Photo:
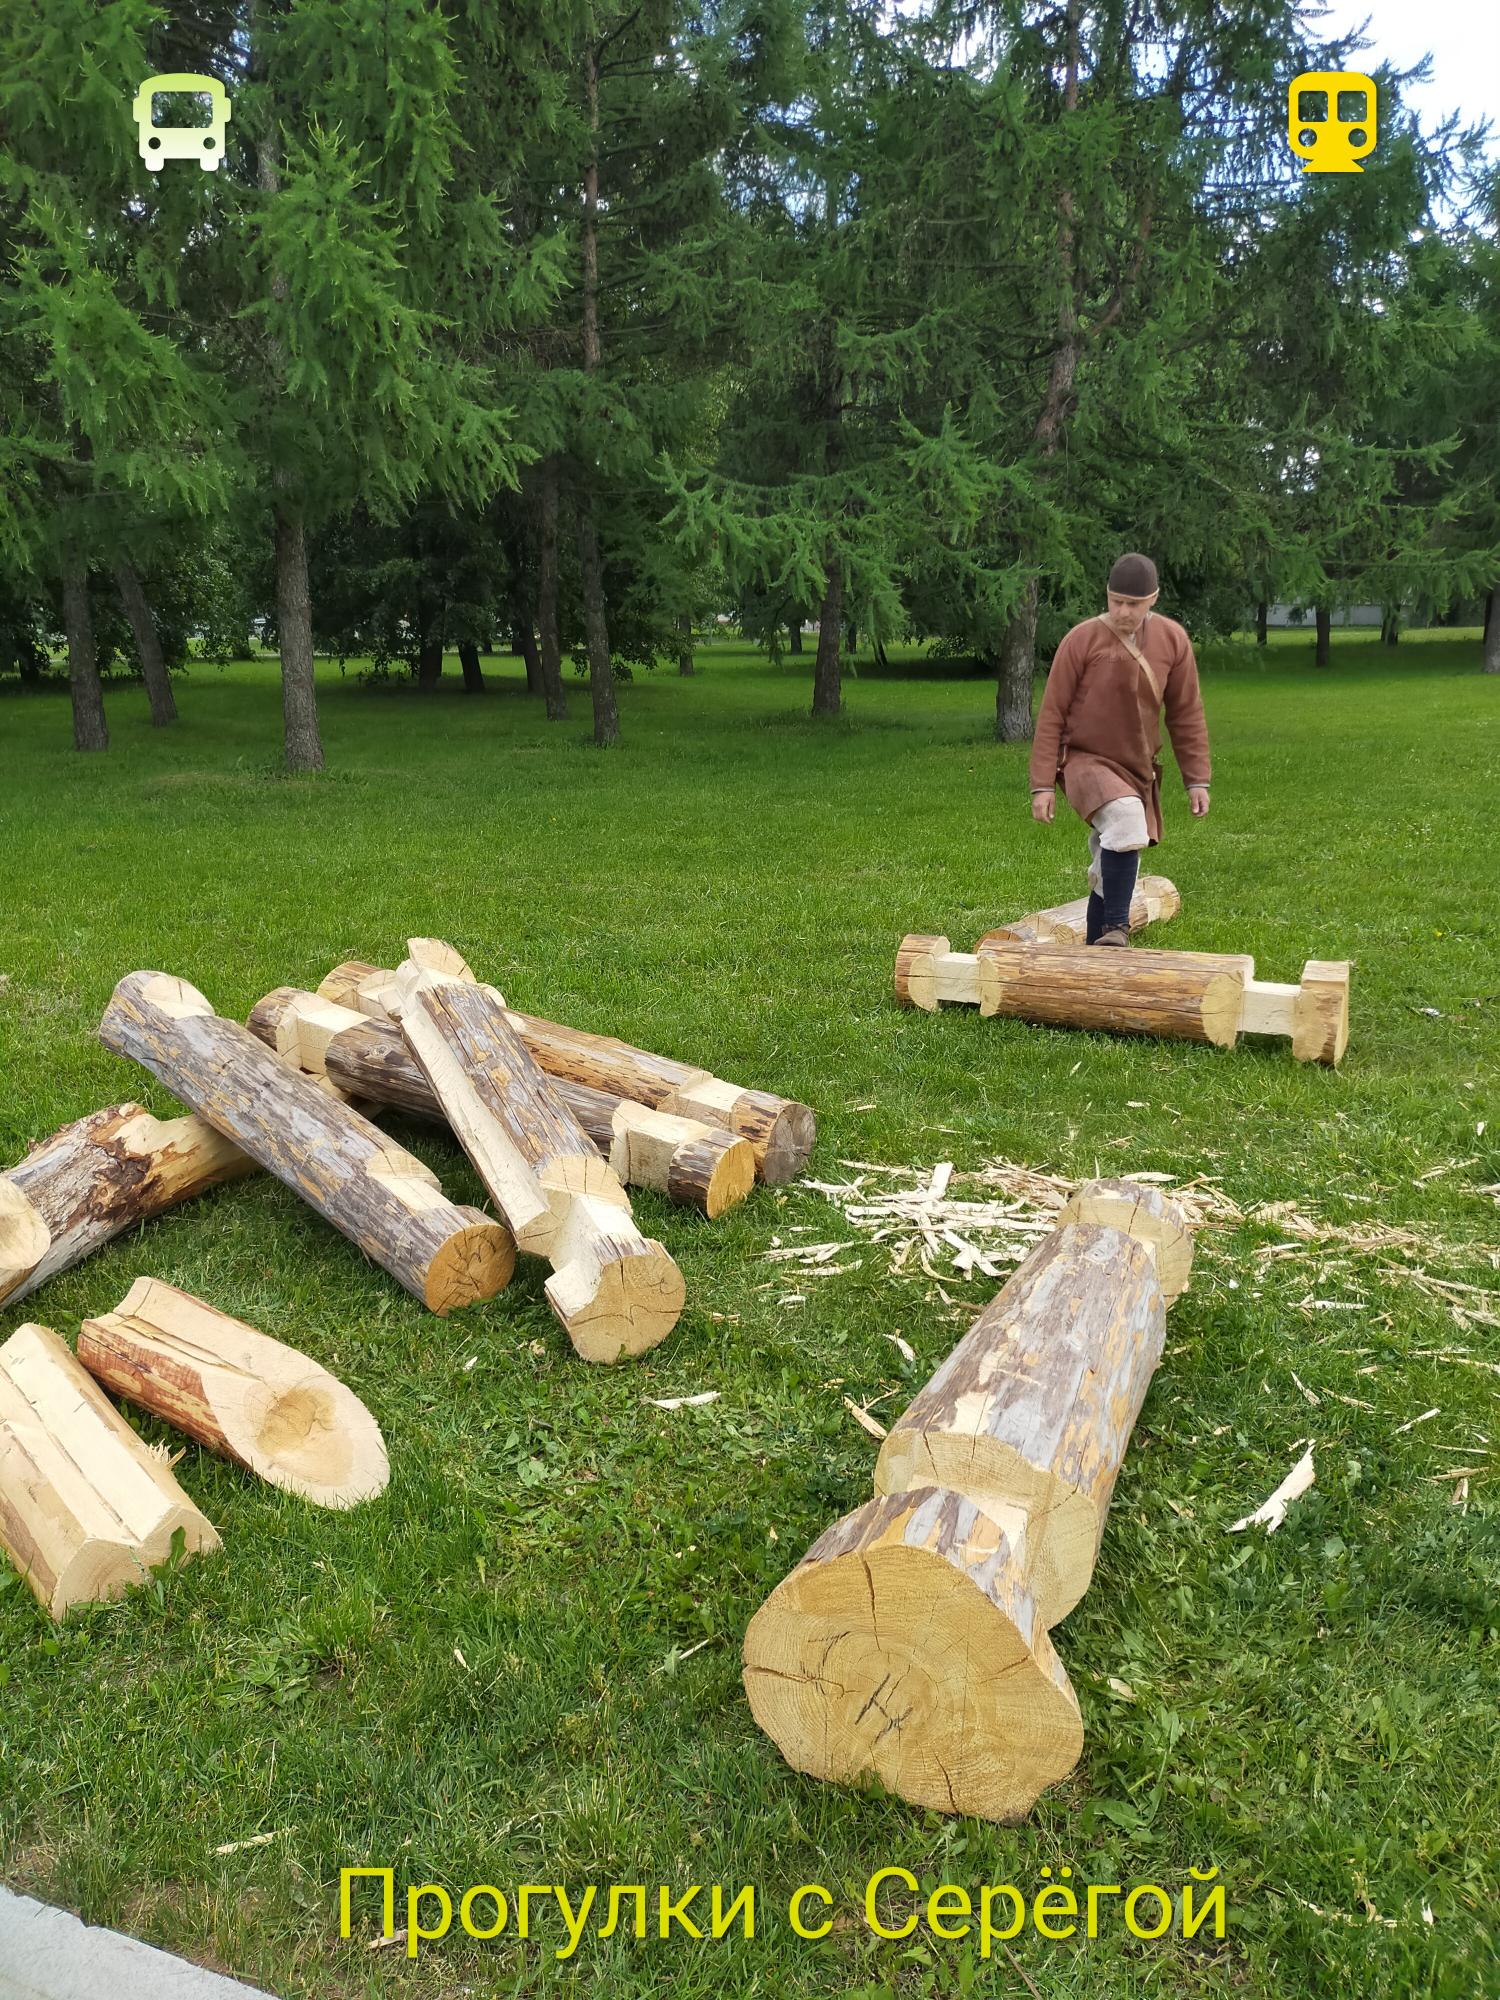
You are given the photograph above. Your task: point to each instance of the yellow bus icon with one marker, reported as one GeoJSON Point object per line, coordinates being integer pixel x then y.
{"type": "Point", "coordinates": [203, 143]}
{"type": "Point", "coordinates": [1330, 119]}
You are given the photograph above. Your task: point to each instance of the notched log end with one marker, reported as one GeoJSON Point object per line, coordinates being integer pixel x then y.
{"type": "Point", "coordinates": [621, 1307]}
{"type": "Point", "coordinates": [916, 980]}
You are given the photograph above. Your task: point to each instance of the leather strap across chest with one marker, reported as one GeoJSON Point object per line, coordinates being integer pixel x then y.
{"type": "Point", "coordinates": [1136, 654]}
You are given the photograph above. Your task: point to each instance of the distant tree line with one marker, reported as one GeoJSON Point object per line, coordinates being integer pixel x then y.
{"type": "Point", "coordinates": [566, 324]}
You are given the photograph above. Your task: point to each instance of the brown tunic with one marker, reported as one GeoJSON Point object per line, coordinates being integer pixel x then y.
{"type": "Point", "coordinates": [1099, 729]}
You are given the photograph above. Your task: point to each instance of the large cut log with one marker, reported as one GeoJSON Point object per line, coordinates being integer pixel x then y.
{"type": "Point", "coordinates": [616, 1291]}
{"type": "Point", "coordinates": [86, 1508]}
{"type": "Point", "coordinates": [1144, 1212]}
{"type": "Point", "coordinates": [240, 1393]}
{"type": "Point", "coordinates": [697, 1165]}
{"type": "Point", "coordinates": [1155, 900]}
{"type": "Point", "coordinates": [780, 1130]}
{"type": "Point", "coordinates": [104, 1174]}
{"type": "Point", "coordinates": [1189, 995]}
{"type": "Point", "coordinates": [905, 1645]}
{"type": "Point", "coordinates": [1030, 1415]}
{"type": "Point", "coordinates": [380, 1196]}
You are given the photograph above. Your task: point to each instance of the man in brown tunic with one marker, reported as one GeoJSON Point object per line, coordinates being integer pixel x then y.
{"type": "Point", "coordinates": [1099, 735]}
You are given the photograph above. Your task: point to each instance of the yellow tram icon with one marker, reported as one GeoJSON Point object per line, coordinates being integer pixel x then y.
{"type": "Point", "coordinates": [203, 143]}
{"type": "Point", "coordinates": [1330, 119]}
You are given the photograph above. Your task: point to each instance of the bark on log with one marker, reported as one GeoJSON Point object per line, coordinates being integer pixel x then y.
{"type": "Point", "coordinates": [780, 1130]}
{"type": "Point", "coordinates": [1193, 995]}
{"type": "Point", "coordinates": [1155, 900]}
{"type": "Point", "coordinates": [378, 1195]}
{"type": "Point", "coordinates": [106, 1173]}
{"type": "Point", "coordinates": [615, 1291]}
{"type": "Point", "coordinates": [906, 1645]}
{"type": "Point", "coordinates": [1030, 1414]}
{"type": "Point", "coordinates": [86, 1508]}
{"type": "Point", "coordinates": [240, 1393]}
{"type": "Point", "coordinates": [698, 1166]}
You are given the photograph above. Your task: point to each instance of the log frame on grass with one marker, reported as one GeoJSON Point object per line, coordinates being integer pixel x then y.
{"type": "Point", "coordinates": [615, 1291]}
{"type": "Point", "coordinates": [380, 1196]}
{"type": "Point", "coordinates": [779, 1129]}
{"type": "Point", "coordinates": [906, 1645]}
{"type": "Point", "coordinates": [1154, 902]}
{"type": "Point", "coordinates": [86, 1508]}
{"type": "Point", "coordinates": [1187, 995]}
{"type": "Point", "coordinates": [698, 1166]}
{"type": "Point", "coordinates": [238, 1392]}
{"type": "Point", "coordinates": [107, 1172]}
{"type": "Point", "coordinates": [1030, 1415]}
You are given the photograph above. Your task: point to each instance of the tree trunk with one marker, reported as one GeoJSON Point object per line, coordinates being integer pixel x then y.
{"type": "Point", "coordinates": [86, 1507]}
{"type": "Point", "coordinates": [596, 627]}
{"type": "Point", "coordinates": [1017, 665]}
{"type": "Point", "coordinates": [299, 698]}
{"type": "Point", "coordinates": [429, 662]}
{"type": "Point", "coordinates": [239, 1393]}
{"type": "Point", "coordinates": [695, 1164]}
{"type": "Point", "coordinates": [90, 730]}
{"type": "Point", "coordinates": [1390, 625]}
{"type": "Point", "coordinates": [794, 644]}
{"type": "Point", "coordinates": [108, 1173]}
{"type": "Point", "coordinates": [468, 659]}
{"type": "Point", "coordinates": [548, 626]}
{"type": "Point", "coordinates": [523, 641]}
{"type": "Point", "coordinates": [780, 1129]}
{"type": "Point", "coordinates": [380, 1197]}
{"type": "Point", "coordinates": [826, 690]}
{"type": "Point", "coordinates": [1323, 648]}
{"type": "Point", "coordinates": [1261, 612]}
{"type": "Point", "coordinates": [1492, 632]}
{"type": "Point", "coordinates": [147, 644]}
{"type": "Point", "coordinates": [685, 661]}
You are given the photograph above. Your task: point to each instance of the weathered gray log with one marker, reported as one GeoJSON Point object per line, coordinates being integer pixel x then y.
{"type": "Point", "coordinates": [780, 1130]}
{"type": "Point", "coordinates": [906, 1645]}
{"type": "Point", "coordinates": [380, 1196]}
{"type": "Point", "coordinates": [699, 1166]}
{"type": "Point", "coordinates": [104, 1174]}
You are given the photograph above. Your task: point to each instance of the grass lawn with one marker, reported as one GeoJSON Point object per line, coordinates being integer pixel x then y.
{"type": "Point", "coordinates": [485, 1675]}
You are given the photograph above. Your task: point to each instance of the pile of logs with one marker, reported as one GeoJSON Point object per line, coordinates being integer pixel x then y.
{"type": "Point", "coordinates": [1039, 970]}
{"type": "Point", "coordinates": [911, 1642]}
{"type": "Point", "coordinates": [559, 1125]}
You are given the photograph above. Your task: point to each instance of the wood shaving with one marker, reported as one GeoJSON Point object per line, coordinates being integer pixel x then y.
{"type": "Point", "coordinates": [863, 1418]}
{"type": "Point", "coordinates": [682, 1402]}
{"type": "Point", "coordinates": [1272, 1511]}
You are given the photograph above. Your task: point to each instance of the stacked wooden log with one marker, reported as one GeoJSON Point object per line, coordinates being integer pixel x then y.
{"type": "Point", "coordinates": [911, 1642]}
{"type": "Point", "coordinates": [557, 1124]}
{"type": "Point", "coordinates": [1038, 970]}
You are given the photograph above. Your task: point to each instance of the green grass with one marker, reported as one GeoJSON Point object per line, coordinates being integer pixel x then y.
{"type": "Point", "coordinates": [1314, 1712]}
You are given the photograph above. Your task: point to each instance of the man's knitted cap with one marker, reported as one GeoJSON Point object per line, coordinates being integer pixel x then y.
{"type": "Point", "coordinates": [1133, 576]}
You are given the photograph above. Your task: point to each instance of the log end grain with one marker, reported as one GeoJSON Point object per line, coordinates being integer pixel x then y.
{"type": "Point", "coordinates": [343, 984]}
{"type": "Point", "coordinates": [783, 1136]}
{"type": "Point", "coordinates": [1144, 1212]}
{"type": "Point", "coordinates": [1320, 1031]}
{"type": "Point", "coordinates": [713, 1173]}
{"type": "Point", "coordinates": [1160, 896]}
{"type": "Point", "coordinates": [916, 978]}
{"type": "Point", "coordinates": [616, 1299]}
{"type": "Point", "coordinates": [473, 1265]}
{"type": "Point", "coordinates": [24, 1238]}
{"type": "Point", "coordinates": [905, 1648]}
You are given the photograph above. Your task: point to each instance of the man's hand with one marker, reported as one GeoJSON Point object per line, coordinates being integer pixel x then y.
{"type": "Point", "coordinates": [1044, 805]}
{"type": "Point", "coordinates": [1198, 800]}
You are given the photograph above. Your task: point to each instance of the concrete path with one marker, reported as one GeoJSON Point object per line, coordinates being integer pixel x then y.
{"type": "Point", "coordinates": [48, 1954]}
